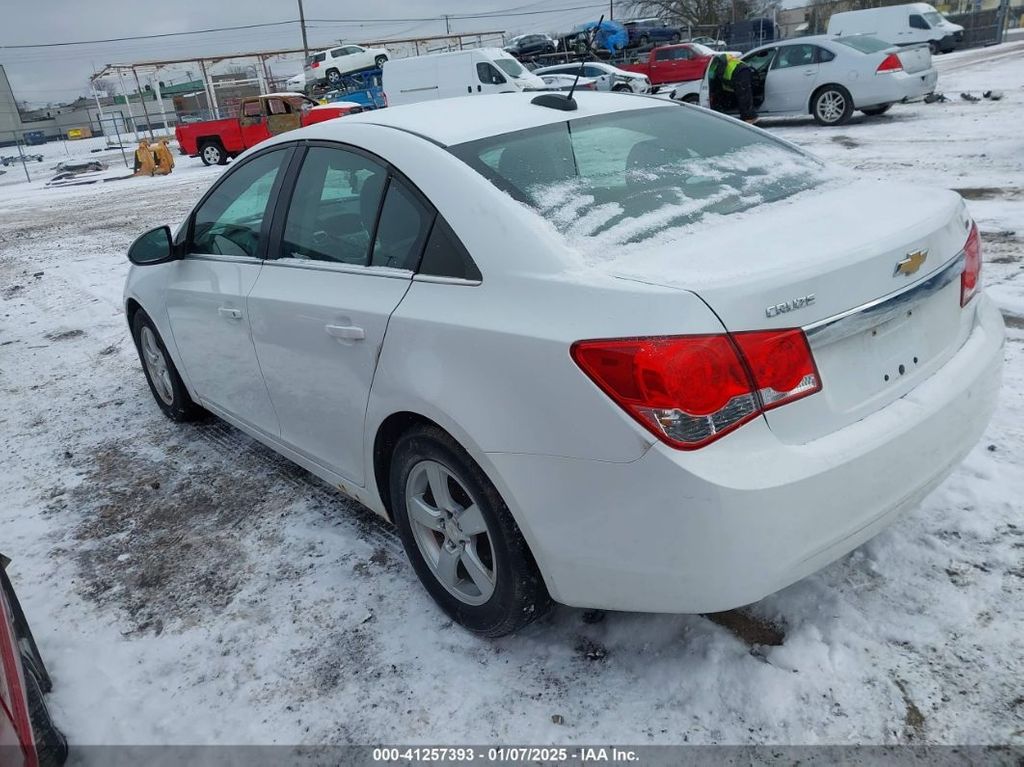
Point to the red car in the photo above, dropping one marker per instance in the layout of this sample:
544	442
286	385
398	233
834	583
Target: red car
261	117
28	736
673	63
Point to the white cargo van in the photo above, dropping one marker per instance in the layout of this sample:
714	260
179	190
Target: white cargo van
459	73
901	25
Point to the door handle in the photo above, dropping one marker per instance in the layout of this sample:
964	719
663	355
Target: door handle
348	332
229	313
808	73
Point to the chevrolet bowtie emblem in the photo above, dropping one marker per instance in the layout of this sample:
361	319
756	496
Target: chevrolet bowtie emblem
911	263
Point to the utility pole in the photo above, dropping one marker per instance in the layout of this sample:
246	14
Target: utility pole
302	23
447	25
611	9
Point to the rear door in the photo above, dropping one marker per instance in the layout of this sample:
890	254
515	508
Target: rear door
791	79
349	240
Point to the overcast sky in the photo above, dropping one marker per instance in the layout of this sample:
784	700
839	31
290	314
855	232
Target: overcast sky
41	75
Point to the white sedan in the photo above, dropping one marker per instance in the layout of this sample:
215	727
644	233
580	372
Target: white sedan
828	77
607	77
634	355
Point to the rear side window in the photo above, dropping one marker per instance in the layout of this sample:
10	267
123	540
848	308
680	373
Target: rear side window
823	55
794	56
863	43
402	230
445	256
334	207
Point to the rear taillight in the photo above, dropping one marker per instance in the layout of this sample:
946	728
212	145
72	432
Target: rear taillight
314	64
691	390
890	63
970	279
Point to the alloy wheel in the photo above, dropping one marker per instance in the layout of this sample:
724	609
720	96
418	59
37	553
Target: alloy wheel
450	532
831	106
156	366
211	154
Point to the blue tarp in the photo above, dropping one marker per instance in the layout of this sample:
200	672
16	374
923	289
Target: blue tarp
611	35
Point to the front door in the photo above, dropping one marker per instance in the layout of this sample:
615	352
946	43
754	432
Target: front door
320	308
206	296
253	123
791	79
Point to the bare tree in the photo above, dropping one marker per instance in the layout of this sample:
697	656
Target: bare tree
694	12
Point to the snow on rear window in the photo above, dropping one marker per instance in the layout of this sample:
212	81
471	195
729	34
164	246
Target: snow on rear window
613	180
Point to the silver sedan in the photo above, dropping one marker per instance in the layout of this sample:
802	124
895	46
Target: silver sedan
828	77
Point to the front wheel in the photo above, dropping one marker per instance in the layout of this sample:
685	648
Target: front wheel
333	78
621	88
875	111
460	536
164	382
831	105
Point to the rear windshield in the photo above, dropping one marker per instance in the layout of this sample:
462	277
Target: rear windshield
315	57
863	43
630	176
511	67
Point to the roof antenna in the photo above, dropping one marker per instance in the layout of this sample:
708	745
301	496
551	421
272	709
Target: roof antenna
567	103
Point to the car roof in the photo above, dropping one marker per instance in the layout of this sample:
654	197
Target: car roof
467	118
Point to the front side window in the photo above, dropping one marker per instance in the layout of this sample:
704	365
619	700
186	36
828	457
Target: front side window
794	56
230	221
334	207
627	177
402	230
917	22
488	74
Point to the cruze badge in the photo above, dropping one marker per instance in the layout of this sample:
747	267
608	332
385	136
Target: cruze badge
911	263
789	306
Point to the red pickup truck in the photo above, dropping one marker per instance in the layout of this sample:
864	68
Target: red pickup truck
260	117
673	63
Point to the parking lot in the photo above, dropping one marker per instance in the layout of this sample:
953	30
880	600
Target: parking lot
200	572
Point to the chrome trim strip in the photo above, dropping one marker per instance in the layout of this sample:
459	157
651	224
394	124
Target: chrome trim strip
880	310
337	266
438	279
226	259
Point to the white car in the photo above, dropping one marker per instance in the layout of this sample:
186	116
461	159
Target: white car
634	355
296	82
828	78
607	77
568	82
329	66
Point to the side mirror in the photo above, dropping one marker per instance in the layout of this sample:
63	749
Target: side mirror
153	247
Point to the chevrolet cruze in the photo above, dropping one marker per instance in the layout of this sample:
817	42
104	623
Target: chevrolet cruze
633	355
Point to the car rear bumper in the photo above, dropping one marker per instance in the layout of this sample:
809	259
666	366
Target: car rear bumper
725	526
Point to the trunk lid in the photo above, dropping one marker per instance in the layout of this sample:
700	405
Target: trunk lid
915	58
800	265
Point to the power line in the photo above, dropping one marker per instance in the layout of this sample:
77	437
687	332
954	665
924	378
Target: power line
152	37
350	21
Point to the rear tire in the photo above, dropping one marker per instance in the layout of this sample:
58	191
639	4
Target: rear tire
461	539
379	61
51	745
831	105
164	382
875	111
212	153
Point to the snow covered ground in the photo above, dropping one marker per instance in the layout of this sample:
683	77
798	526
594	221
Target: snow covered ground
188	586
